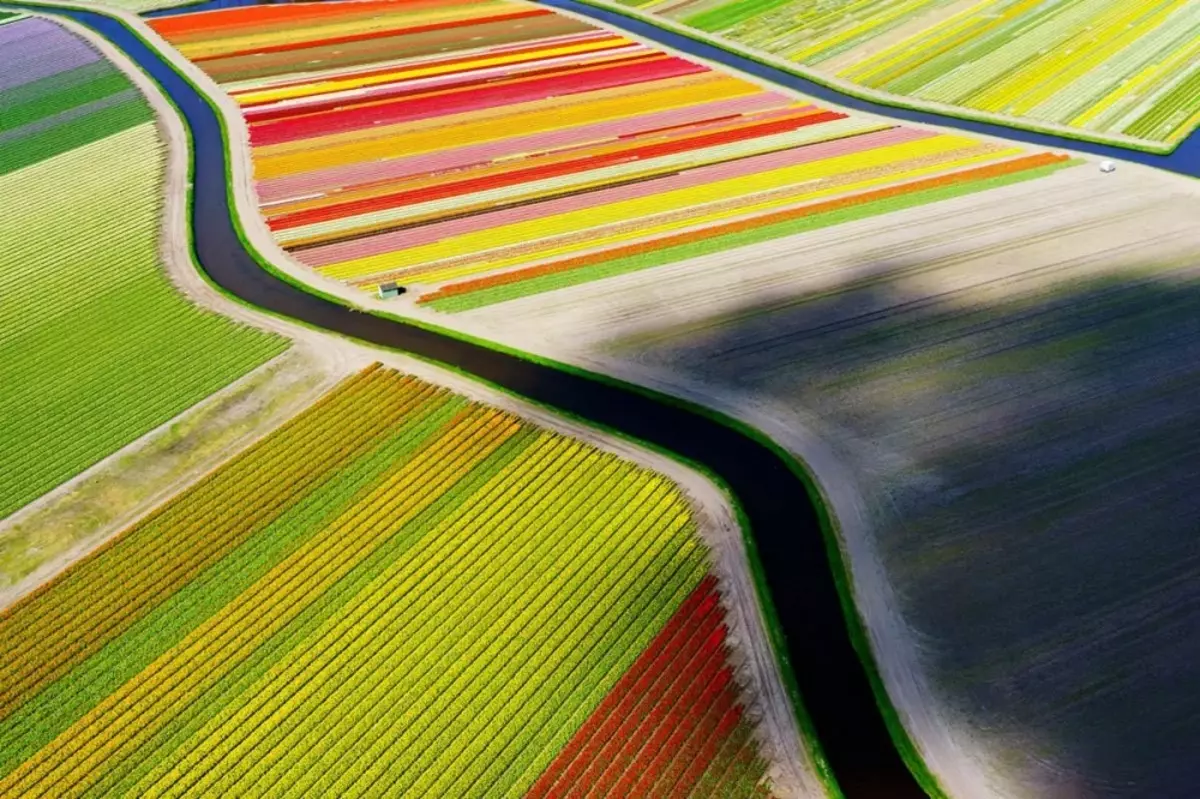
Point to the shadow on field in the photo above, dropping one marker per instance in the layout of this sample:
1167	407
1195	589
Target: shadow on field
1030	450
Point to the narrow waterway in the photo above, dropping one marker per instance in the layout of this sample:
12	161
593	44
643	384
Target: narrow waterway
784	523
1183	160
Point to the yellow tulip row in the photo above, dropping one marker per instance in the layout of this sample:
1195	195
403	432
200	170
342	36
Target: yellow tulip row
54	629
232	634
1069	62
442	634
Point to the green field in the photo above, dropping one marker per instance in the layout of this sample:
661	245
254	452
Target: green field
96	345
1104	66
399	592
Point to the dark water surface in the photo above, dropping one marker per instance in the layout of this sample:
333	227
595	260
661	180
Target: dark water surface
783	521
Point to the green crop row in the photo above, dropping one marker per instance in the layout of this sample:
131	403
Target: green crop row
1090	65
401	589
96	346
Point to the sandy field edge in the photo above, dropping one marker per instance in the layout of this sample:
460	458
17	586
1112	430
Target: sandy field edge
755	665
792	773
315	354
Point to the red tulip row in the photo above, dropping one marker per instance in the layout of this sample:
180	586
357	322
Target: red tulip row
739	225
665	722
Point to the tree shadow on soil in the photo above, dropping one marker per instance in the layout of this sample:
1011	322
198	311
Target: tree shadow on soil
1031	456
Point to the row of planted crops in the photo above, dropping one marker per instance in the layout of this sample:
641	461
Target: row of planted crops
96	346
399	592
483	151
57	93
1099	65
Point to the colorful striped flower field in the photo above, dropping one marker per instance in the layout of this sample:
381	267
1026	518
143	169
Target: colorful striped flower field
1110	66
399	592
97	346
57	93
479	151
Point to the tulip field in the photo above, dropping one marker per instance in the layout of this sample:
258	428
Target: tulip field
483	151
58	93
1008	381
96	346
398	592
1099	65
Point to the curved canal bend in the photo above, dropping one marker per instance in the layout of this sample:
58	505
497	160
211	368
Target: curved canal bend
832	680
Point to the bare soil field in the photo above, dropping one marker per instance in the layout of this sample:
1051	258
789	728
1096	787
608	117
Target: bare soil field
997	392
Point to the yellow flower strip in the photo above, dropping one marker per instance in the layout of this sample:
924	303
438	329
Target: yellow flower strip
315	33
278	705
578	181
1133	89
354	97
575	151
999	94
459	751
341	84
901	9
49	632
1120	92
908	54
127	718
542	630
413	700
450	123
481	241
495	127
676	221
1084	62
231	22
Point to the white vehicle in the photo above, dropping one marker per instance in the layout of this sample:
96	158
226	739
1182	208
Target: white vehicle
1107	166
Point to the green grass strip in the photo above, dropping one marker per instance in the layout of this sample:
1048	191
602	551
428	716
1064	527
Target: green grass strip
49	143
65	98
730	14
65	701
1179	101
164	749
634	263
30	92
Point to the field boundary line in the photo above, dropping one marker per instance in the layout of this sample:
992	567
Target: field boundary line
242	197
882	98
200	83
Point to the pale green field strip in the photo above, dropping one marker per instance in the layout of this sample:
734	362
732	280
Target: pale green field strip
66	700
59	93
1098	65
50	115
96	345
131	484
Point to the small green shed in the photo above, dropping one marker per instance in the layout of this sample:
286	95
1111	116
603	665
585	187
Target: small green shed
389	290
